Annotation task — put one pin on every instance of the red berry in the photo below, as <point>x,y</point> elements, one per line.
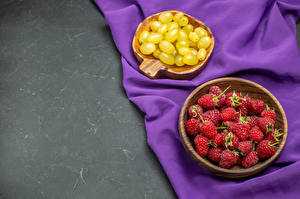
<point>243,109</point>
<point>230,125</point>
<point>248,102</point>
<point>269,113</point>
<point>253,121</point>
<point>245,147</point>
<point>250,160</point>
<point>273,136</point>
<point>266,124</point>
<point>202,145</point>
<point>265,149</point>
<point>208,129</point>
<point>214,154</point>
<point>218,139</point>
<point>195,111</point>
<point>241,131</point>
<point>228,159</point>
<point>208,101</point>
<point>233,99</point>
<point>228,114</point>
<point>213,115</point>
<point>215,90</point>
<point>192,126</point>
<point>257,106</point>
<point>230,141</point>
<point>256,134</point>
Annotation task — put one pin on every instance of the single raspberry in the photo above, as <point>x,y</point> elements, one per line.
<point>266,149</point>
<point>218,139</point>
<point>250,160</point>
<point>243,109</point>
<point>202,145</point>
<point>273,136</point>
<point>268,113</point>
<point>213,115</point>
<point>228,114</point>
<point>241,131</point>
<point>253,120</point>
<point>257,106</point>
<point>248,102</point>
<point>208,129</point>
<point>195,111</point>
<point>230,141</point>
<point>256,134</point>
<point>192,126</point>
<point>214,154</point>
<point>233,99</point>
<point>245,147</point>
<point>228,159</point>
<point>230,125</point>
<point>236,118</point>
<point>266,124</point>
<point>215,90</point>
<point>208,101</point>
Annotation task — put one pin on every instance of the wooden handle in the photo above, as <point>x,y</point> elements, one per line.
<point>151,68</point>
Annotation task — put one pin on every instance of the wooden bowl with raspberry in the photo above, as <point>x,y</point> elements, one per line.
<point>233,127</point>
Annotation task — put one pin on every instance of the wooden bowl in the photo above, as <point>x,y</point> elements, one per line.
<point>153,68</point>
<point>255,91</point>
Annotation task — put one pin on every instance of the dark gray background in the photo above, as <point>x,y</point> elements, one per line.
<point>67,128</point>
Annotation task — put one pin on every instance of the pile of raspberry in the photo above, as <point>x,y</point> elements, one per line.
<point>231,129</point>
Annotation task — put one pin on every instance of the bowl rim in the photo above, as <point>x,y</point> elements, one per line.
<point>244,171</point>
<point>140,57</point>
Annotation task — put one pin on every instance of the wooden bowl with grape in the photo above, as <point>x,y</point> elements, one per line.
<point>254,91</point>
<point>154,68</point>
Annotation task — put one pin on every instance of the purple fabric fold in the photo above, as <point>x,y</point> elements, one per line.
<point>255,40</point>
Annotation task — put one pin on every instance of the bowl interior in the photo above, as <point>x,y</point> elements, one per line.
<point>255,91</point>
<point>145,25</point>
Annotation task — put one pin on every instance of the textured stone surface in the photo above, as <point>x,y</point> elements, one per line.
<point>67,128</point>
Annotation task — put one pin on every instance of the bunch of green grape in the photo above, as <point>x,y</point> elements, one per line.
<point>173,40</point>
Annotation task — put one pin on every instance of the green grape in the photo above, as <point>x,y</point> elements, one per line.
<point>156,53</point>
<point>166,58</point>
<point>201,54</point>
<point>144,36</point>
<point>188,28</point>
<point>183,21</point>
<point>172,25</point>
<point>194,51</point>
<point>179,60</point>
<point>204,42</point>
<point>183,43</point>
<point>178,16</point>
<point>155,37</point>
<point>194,37</point>
<point>155,25</point>
<point>182,35</point>
<point>184,51</point>
<point>174,53</point>
<point>201,32</point>
<point>162,29</point>
<point>171,35</point>
<point>165,17</point>
<point>190,59</point>
<point>166,47</point>
<point>147,48</point>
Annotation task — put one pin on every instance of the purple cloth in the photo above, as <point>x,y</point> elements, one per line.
<point>255,40</point>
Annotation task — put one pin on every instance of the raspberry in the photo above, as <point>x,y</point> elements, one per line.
<point>202,145</point>
<point>241,131</point>
<point>233,99</point>
<point>213,115</point>
<point>253,121</point>
<point>250,160</point>
<point>195,111</point>
<point>208,101</point>
<point>214,154</point>
<point>245,147</point>
<point>256,134</point>
<point>208,129</point>
<point>266,124</point>
<point>228,159</point>
<point>218,139</point>
<point>228,114</point>
<point>273,136</point>
<point>192,126</point>
<point>265,149</point>
<point>248,102</point>
<point>257,106</point>
<point>230,125</point>
<point>215,90</point>
<point>269,113</point>
<point>243,109</point>
<point>230,141</point>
